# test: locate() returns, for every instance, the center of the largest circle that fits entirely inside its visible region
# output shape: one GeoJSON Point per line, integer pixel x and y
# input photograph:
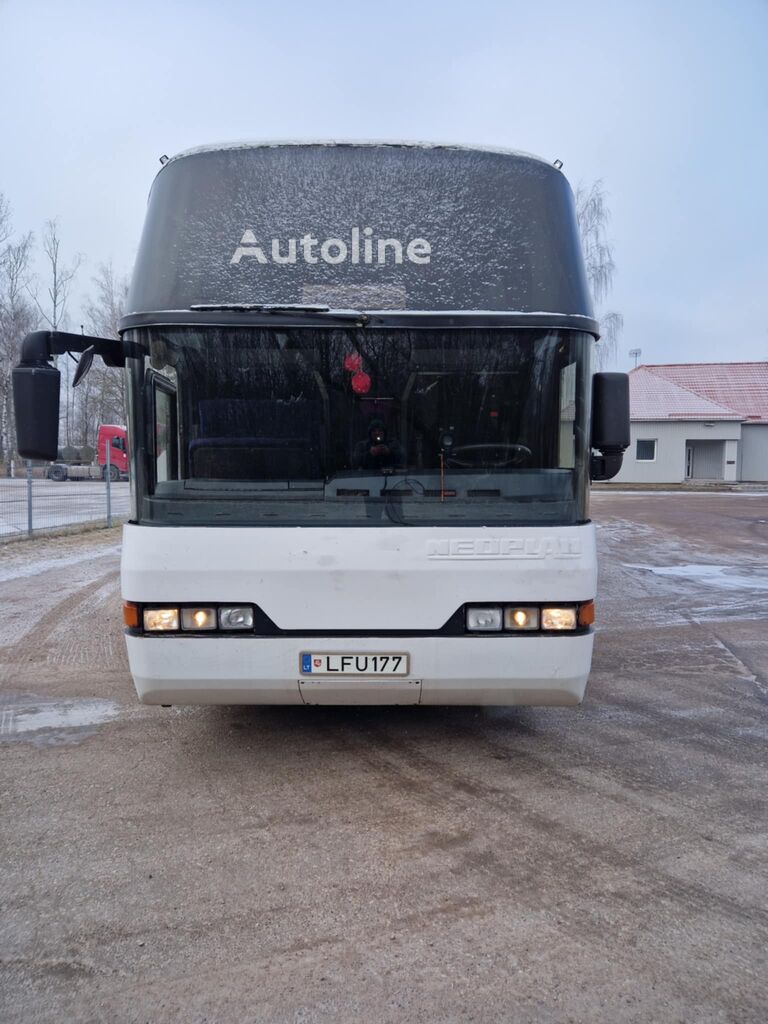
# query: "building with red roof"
{"type": "Point", "coordinates": [698, 421]}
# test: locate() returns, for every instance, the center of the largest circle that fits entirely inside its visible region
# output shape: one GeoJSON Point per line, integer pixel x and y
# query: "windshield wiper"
{"type": "Point", "coordinates": [266, 307]}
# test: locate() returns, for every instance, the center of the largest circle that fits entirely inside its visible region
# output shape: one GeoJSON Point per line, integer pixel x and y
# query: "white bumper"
{"type": "Point", "coordinates": [368, 581]}
{"type": "Point", "coordinates": [540, 670]}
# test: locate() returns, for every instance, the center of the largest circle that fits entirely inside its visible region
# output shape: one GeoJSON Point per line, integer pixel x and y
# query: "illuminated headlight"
{"type": "Point", "coordinates": [484, 620]}
{"type": "Point", "coordinates": [236, 617]}
{"type": "Point", "coordinates": [520, 619]}
{"type": "Point", "coordinates": [198, 618]}
{"type": "Point", "coordinates": [161, 620]}
{"type": "Point", "coordinates": [558, 618]}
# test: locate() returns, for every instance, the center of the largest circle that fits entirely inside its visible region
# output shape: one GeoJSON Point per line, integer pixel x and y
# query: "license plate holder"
{"type": "Point", "coordinates": [360, 664]}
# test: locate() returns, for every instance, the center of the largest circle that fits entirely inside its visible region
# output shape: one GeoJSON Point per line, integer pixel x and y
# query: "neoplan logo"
{"type": "Point", "coordinates": [361, 247]}
{"type": "Point", "coordinates": [481, 549]}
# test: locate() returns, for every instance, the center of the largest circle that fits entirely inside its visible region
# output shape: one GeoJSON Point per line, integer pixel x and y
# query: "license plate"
{"type": "Point", "coordinates": [351, 664]}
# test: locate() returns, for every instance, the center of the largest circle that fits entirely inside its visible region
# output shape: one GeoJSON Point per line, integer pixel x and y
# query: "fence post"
{"type": "Point", "coordinates": [29, 498]}
{"type": "Point", "coordinates": [108, 478]}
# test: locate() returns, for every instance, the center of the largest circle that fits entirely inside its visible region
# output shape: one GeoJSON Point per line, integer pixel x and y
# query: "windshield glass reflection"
{"type": "Point", "coordinates": [368, 427]}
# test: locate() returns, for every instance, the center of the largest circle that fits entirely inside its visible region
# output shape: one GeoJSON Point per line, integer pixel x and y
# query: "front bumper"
{"type": "Point", "coordinates": [499, 670]}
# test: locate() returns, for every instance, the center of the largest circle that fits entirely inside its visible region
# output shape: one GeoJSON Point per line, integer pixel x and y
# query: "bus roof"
{"type": "Point", "coordinates": [397, 226]}
{"type": "Point", "coordinates": [218, 147]}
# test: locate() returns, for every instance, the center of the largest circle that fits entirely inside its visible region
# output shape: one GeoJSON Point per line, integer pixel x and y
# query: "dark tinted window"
{"type": "Point", "coordinates": [373, 426]}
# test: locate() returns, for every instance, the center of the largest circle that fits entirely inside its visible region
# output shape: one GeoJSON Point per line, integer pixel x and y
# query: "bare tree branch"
{"type": "Point", "coordinates": [105, 399]}
{"type": "Point", "coordinates": [106, 308]}
{"type": "Point", "coordinates": [5, 221]}
{"type": "Point", "coordinates": [593, 216]}
{"type": "Point", "coordinates": [54, 311]}
{"type": "Point", "coordinates": [60, 278]}
{"type": "Point", "coordinates": [17, 318]}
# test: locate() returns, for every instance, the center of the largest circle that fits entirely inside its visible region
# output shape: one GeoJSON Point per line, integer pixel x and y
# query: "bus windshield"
{"type": "Point", "coordinates": [304, 426]}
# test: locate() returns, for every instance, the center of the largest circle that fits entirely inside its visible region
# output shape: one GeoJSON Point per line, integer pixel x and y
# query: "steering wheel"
{"type": "Point", "coordinates": [495, 454]}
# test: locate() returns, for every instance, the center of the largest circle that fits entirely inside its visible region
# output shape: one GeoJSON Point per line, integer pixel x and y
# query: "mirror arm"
{"type": "Point", "coordinates": [606, 465]}
{"type": "Point", "coordinates": [39, 347]}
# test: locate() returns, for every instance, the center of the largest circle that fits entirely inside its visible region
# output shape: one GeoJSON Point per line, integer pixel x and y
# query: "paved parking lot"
{"type": "Point", "coordinates": [56, 504]}
{"type": "Point", "coordinates": [603, 864]}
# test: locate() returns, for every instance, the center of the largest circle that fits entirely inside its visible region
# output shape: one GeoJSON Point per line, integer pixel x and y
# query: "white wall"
{"type": "Point", "coordinates": [754, 452]}
{"type": "Point", "coordinates": [669, 465]}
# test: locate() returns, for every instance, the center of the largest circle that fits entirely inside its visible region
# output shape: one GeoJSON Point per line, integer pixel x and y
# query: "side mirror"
{"type": "Point", "coordinates": [36, 384]}
{"type": "Point", "coordinates": [36, 403]}
{"type": "Point", "coordinates": [610, 423]}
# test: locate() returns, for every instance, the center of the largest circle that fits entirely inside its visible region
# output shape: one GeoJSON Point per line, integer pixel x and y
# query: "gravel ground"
{"type": "Point", "coordinates": [603, 864]}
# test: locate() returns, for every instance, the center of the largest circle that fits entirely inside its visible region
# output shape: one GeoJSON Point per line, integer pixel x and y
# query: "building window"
{"type": "Point", "coordinates": [646, 451]}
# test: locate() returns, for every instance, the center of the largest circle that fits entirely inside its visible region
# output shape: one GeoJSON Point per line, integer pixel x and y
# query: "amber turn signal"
{"type": "Point", "coordinates": [587, 613]}
{"type": "Point", "coordinates": [131, 614]}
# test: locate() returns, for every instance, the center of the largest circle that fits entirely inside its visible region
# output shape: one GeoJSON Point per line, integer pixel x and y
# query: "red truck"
{"type": "Point", "coordinates": [79, 464]}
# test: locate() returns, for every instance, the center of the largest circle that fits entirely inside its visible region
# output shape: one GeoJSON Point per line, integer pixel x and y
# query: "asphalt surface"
{"type": "Point", "coordinates": [599, 864]}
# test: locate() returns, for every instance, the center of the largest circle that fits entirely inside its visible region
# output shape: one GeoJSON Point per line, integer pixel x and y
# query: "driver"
{"type": "Point", "coordinates": [377, 451]}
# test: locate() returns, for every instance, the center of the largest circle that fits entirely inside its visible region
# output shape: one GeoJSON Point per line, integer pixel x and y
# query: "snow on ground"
{"type": "Point", "coordinates": [41, 554]}
{"type": "Point", "coordinates": [681, 559]}
{"type": "Point", "coordinates": [32, 715]}
{"type": "Point", "coordinates": [41, 565]}
{"type": "Point", "coordinates": [727, 576]}
{"type": "Point", "coordinates": [652, 493]}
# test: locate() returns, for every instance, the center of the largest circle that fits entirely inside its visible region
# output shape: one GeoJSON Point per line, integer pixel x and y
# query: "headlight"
{"type": "Point", "coordinates": [236, 617]}
{"type": "Point", "coordinates": [484, 620]}
{"type": "Point", "coordinates": [521, 619]}
{"type": "Point", "coordinates": [558, 618]}
{"type": "Point", "coordinates": [161, 620]}
{"type": "Point", "coordinates": [198, 618]}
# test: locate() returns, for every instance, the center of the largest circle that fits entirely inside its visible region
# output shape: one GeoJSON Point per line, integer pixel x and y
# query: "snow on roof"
{"type": "Point", "coordinates": [653, 397]}
{"type": "Point", "coordinates": [740, 387]}
{"type": "Point", "coordinates": [404, 143]}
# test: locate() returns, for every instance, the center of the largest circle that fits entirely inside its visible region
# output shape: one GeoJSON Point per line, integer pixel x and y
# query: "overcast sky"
{"type": "Point", "coordinates": [666, 102]}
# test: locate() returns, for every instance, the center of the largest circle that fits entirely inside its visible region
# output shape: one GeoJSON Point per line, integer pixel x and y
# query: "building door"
{"type": "Point", "coordinates": [704, 460]}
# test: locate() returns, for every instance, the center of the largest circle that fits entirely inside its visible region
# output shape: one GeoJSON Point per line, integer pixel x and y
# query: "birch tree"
{"type": "Point", "coordinates": [107, 398]}
{"type": "Point", "coordinates": [53, 307]}
{"type": "Point", "coordinates": [593, 216]}
{"type": "Point", "coordinates": [17, 317]}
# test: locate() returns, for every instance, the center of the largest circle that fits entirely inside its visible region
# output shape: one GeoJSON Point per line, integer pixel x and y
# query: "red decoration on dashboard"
{"type": "Point", "coordinates": [352, 362]}
{"type": "Point", "coordinates": [361, 383]}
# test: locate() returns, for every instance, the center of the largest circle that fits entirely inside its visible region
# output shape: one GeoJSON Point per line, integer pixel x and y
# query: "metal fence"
{"type": "Point", "coordinates": [30, 503]}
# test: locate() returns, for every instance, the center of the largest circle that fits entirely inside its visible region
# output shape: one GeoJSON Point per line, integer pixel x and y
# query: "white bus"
{"type": "Point", "coordinates": [363, 422]}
